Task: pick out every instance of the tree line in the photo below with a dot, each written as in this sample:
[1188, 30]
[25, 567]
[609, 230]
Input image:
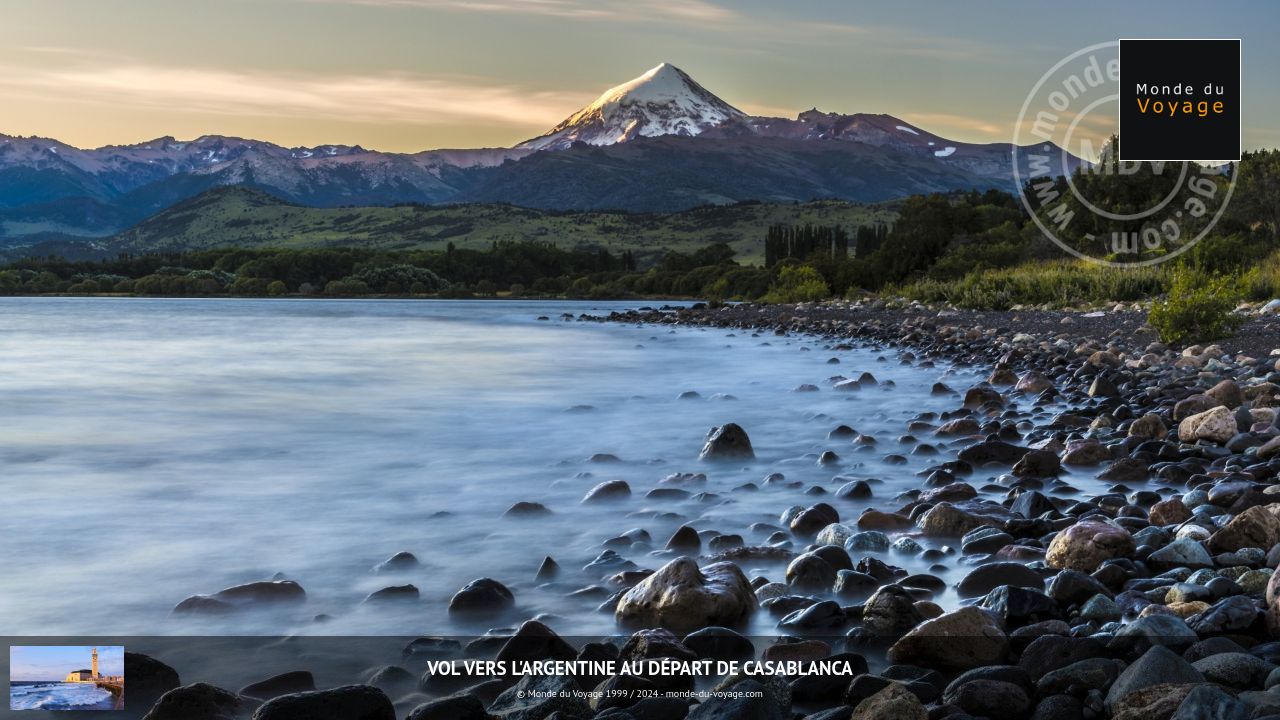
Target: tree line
[937, 246]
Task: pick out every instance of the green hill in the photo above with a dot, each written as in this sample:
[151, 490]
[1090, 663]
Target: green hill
[243, 217]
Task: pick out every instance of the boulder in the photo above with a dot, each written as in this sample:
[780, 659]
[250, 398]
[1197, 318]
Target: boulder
[985, 578]
[351, 702]
[1237, 613]
[958, 640]
[960, 426]
[608, 491]
[719, 643]
[749, 698]
[400, 562]
[392, 679]
[834, 534]
[727, 442]
[1157, 666]
[1002, 374]
[854, 585]
[810, 520]
[1033, 383]
[484, 596]
[894, 702]
[1256, 527]
[393, 593]
[535, 641]
[1032, 503]
[1269, 449]
[1235, 669]
[992, 451]
[1181, 553]
[815, 619]
[1047, 653]
[1155, 629]
[989, 698]
[1072, 587]
[1059, 707]
[1169, 512]
[1085, 452]
[1017, 606]
[951, 492]
[890, 612]
[148, 678]
[810, 573]
[537, 696]
[1226, 393]
[197, 702]
[1079, 677]
[682, 597]
[872, 519]
[1217, 425]
[1209, 702]
[1157, 702]
[1103, 387]
[247, 596]
[1126, 470]
[1192, 405]
[979, 395]
[285, 683]
[1148, 427]
[1085, 545]
[947, 520]
[1038, 463]
[685, 539]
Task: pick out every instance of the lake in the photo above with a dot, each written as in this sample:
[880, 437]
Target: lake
[154, 449]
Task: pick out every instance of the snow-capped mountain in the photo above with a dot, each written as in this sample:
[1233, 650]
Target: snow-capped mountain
[658, 143]
[663, 101]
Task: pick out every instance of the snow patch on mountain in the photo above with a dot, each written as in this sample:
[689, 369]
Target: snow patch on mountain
[663, 101]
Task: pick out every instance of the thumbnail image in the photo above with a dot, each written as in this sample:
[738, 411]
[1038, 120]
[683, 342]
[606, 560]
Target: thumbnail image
[66, 677]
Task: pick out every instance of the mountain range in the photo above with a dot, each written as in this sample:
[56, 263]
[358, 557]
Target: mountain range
[658, 143]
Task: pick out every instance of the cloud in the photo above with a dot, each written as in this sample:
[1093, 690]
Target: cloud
[765, 110]
[697, 15]
[934, 121]
[620, 10]
[384, 98]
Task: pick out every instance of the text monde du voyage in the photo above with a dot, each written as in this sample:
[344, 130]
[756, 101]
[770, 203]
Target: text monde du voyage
[650, 667]
[1181, 99]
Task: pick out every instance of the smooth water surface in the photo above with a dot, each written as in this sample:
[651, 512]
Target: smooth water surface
[156, 449]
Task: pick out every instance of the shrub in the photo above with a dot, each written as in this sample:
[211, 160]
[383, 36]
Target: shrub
[276, 288]
[1197, 308]
[346, 287]
[1058, 284]
[398, 277]
[222, 278]
[247, 286]
[1262, 280]
[798, 283]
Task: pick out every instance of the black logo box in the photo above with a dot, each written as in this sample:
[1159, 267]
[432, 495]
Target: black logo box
[1185, 64]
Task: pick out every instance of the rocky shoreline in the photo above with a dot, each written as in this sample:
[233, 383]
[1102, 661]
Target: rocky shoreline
[1152, 599]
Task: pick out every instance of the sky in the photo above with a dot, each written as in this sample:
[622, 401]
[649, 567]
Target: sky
[410, 75]
[53, 662]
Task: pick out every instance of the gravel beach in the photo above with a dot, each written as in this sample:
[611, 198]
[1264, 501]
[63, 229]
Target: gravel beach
[1112, 501]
